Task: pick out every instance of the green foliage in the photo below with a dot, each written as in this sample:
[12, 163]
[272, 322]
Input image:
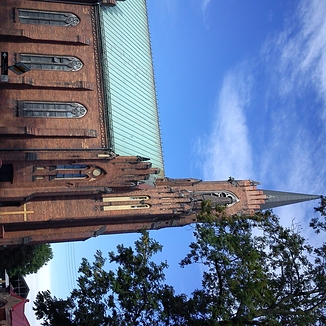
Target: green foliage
[316, 223]
[128, 296]
[24, 260]
[53, 311]
[133, 294]
[256, 272]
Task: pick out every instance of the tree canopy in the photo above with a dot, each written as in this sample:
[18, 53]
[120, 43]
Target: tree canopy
[24, 260]
[319, 223]
[256, 272]
[131, 295]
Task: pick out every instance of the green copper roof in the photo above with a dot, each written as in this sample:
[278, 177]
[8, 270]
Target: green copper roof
[129, 77]
[280, 198]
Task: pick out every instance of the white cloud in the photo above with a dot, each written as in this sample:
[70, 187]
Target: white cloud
[296, 57]
[313, 39]
[287, 90]
[204, 7]
[167, 9]
[227, 150]
[295, 66]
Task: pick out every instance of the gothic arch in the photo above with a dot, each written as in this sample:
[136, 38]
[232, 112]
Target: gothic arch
[50, 109]
[53, 18]
[50, 62]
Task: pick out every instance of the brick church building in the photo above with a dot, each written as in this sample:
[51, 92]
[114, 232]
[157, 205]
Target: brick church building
[80, 149]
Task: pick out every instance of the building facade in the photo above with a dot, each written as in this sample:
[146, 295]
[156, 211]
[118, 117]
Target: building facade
[80, 148]
[12, 302]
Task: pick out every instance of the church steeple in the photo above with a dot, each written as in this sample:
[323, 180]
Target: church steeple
[70, 200]
[281, 198]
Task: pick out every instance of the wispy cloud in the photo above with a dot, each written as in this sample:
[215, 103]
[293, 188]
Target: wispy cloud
[296, 57]
[204, 8]
[168, 10]
[204, 5]
[273, 128]
[227, 150]
[295, 66]
[294, 63]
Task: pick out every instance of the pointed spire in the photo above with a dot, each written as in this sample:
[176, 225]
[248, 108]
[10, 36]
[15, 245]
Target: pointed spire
[281, 198]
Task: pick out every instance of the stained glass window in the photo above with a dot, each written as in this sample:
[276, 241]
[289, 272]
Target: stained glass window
[28, 16]
[50, 62]
[51, 109]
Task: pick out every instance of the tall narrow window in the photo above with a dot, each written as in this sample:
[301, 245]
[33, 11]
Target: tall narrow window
[226, 198]
[125, 207]
[61, 172]
[51, 109]
[28, 16]
[70, 167]
[60, 176]
[50, 62]
[69, 171]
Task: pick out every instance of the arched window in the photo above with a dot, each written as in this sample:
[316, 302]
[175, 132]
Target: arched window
[125, 207]
[74, 171]
[50, 62]
[71, 176]
[224, 198]
[51, 109]
[70, 167]
[124, 198]
[28, 16]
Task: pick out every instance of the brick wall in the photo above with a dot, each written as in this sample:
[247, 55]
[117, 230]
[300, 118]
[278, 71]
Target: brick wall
[82, 86]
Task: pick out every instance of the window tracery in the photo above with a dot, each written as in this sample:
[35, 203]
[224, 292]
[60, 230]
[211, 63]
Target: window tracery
[50, 62]
[226, 198]
[74, 171]
[40, 17]
[51, 109]
[125, 207]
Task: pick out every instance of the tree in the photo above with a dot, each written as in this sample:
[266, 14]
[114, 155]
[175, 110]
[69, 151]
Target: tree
[317, 224]
[131, 295]
[53, 311]
[256, 272]
[24, 260]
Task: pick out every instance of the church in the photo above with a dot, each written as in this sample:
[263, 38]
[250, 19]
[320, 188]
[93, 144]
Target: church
[80, 150]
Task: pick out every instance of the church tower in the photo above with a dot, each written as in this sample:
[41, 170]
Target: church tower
[100, 193]
[80, 150]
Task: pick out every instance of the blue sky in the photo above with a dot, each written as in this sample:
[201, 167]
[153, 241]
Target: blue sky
[241, 88]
